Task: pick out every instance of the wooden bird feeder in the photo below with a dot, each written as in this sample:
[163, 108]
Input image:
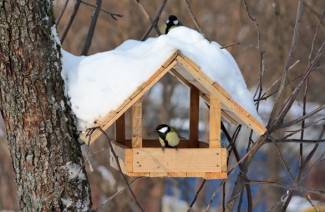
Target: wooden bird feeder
[143, 157]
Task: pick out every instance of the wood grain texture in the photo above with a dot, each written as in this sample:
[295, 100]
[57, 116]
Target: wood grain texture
[156, 160]
[120, 129]
[192, 162]
[137, 124]
[214, 123]
[194, 116]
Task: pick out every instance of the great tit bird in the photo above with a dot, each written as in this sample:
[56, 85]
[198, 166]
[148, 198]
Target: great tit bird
[171, 22]
[168, 136]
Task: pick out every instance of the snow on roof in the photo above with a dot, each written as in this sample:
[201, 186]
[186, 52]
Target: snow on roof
[100, 83]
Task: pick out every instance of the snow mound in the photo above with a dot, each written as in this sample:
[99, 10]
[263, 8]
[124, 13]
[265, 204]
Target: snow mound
[100, 83]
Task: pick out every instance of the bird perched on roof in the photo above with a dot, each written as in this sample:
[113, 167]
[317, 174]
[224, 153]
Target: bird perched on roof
[168, 136]
[172, 22]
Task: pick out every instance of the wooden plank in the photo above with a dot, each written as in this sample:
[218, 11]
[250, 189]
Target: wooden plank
[195, 174]
[137, 125]
[223, 159]
[180, 160]
[176, 174]
[225, 98]
[120, 129]
[138, 174]
[214, 122]
[128, 160]
[215, 175]
[206, 175]
[194, 116]
[158, 174]
[112, 116]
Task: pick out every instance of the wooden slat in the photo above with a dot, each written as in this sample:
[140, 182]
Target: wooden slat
[194, 116]
[206, 175]
[137, 125]
[111, 117]
[214, 123]
[225, 98]
[138, 174]
[180, 160]
[223, 158]
[215, 175]
[120, 129]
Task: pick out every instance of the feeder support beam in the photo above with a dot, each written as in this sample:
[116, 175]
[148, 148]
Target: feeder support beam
[137, 124]
[120, 129]
[194, 116]
[214, 123]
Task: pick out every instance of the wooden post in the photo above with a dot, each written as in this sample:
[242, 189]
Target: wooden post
[215, 123]
[194, 116]
[120, 129]
[137, 124]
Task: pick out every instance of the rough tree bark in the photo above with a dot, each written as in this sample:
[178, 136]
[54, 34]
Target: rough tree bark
[41, 131]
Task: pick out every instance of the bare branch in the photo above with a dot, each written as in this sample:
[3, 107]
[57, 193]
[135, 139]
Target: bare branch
[57, 22]
[92, 28]
[155, 20]
[120, 169]
[302, 118]
[194, 19]
[197, 194]
[72, 17]
[288, 64]
[293, 96]
[114, 16]
[230, 45]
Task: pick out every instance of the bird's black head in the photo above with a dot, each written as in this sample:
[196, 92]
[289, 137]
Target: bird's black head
[162, 129]
[172, 21]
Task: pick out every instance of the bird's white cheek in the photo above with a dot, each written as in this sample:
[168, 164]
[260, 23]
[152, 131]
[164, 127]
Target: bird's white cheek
[175, 22]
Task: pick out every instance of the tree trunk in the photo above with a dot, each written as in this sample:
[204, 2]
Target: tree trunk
[41, 132]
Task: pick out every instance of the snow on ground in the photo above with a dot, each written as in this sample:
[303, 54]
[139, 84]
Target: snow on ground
[99, 83]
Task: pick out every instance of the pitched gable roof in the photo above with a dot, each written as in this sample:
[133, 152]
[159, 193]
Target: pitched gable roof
[188, 72]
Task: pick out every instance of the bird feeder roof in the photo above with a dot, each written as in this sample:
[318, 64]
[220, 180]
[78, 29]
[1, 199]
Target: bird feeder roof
[185, 70]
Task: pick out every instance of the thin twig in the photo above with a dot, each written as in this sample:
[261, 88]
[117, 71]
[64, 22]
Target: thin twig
[147, 16]
[72, 17]
[114, 16]
[92, 28]
[306, 141]
[274, 118]
[155, 20]
[113, 196]
[230, 45]
[57, 22]
[120, 169]
[293, 96]
[301, 118]
[197, 194]
[194, 19]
